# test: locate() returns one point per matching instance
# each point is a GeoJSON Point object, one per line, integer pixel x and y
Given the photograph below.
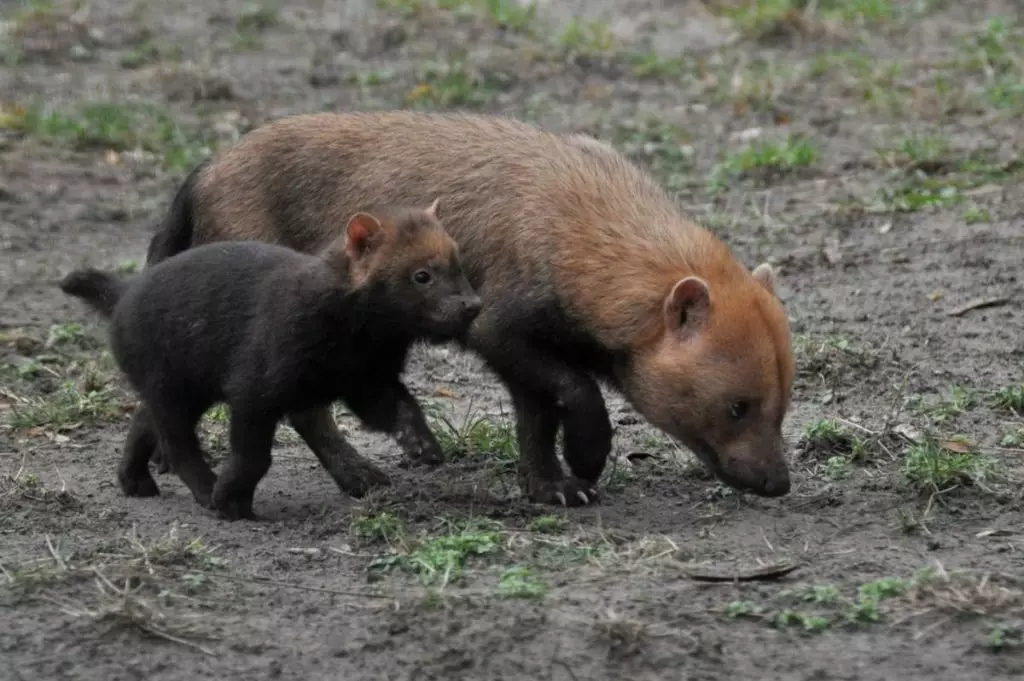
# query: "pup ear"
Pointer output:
{"type": "Point", "coordinates": [765, 276]}
{"type": "Point", "coordinates": [361, 233]}
{"type": "Point", "coordinates": [687, 306]}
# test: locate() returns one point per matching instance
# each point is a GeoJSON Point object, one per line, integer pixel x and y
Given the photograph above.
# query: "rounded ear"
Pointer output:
{"type": "Point", "coordinates": [360, 233]}
{"type": "Point", "coordinates": [687, 306]}
{"type": "Point", "coordinates": [432, 209]}
{"type": "Point", "coordinates": [765, 276]}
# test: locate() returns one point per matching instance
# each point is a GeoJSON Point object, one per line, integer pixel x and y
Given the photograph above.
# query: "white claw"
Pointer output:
{"type": "Point", "coordinates": [582, 497]}
{"type": "Point", "coordinates": [561, 498]}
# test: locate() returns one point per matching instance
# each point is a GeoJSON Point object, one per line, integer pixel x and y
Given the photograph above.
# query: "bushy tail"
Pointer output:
{"type": "Point", "coordinates": [175, 234]}
{"type": "Point", "coordinates": [100, 290]}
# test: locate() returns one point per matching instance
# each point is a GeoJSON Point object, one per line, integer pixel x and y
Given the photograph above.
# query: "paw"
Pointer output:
{"type": "Point", "coordinates": [426, 455]}
{"type": "Point", "coordinates": [360, 477]}
{"type": "Point", "coordinates": [138, 485]}
{"type": "Point", "coordinates": [567, 492]}
{"type": "Point", "coordinates": [233, 507]}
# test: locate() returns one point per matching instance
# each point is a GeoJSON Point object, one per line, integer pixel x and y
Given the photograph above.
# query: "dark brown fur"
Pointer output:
{"type": "Point", "coordinates": [585, 267]}
{"type": "Point", "coordinates": [275, 333]}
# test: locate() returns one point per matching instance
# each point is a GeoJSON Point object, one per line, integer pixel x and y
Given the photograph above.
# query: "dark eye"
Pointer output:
{"type": "Point", "coordinates": [737, 410]}
{"type": "Point", "coordinates": [422, 277]}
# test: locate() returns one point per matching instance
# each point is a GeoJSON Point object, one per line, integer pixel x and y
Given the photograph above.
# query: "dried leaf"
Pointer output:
{"type": "Point", "coordinates": [707, 573]}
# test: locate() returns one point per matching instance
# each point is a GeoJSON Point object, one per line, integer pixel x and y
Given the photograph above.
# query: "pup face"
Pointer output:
{"type": "Point", "coordinates": [720, 379]}
{"type": "Point", "coordinates": [407, 258]}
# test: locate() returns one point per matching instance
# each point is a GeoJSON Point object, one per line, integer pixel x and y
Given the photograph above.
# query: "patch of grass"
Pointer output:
{"type": "Point", "coordinates": [920, 192]}
{"type": "Point", "coordinates": [454, 84]}
{"type": "Point", "coordinates": [763, 18]}
{"type": "Point", "coordinates": [118, 126]}
{"type": "Point", "coordinates": [932, 467]}
{"type": "Point", "coordinates": [441, 560]}
{"type": "Point", "coordinates": [649, 64]}
{"type": "Point", "coordinates": [665, 149]}
{"type": "Point", "coordinates": [957, 401]}
{"type": "Point", "coordinates": [520, 582]}
{"type": "Point", "coordinates": [1010, 398]}
{"type": "Point", "coordinates": [510, 15]}
{"type": "Point", "coordinates": [974, 214]}
{"type": "Point", "coordinates": [477, 438]}
{"type": "Point", "coordinates": [587, 38]}
{"type": "Point", "coordinates": [918, 150]}
{"type": "Point", "coordinates": [815, 608]}
{"type": "Point", "coordinates": [829, 359]}
{"type": "Point", "coordinates": [1002, 637]}
{"type": "Point", "coordinates": [829, 438]}
{"type": "Point", "coordinates": [254, 19]}
{"type": "Point", "coordinates": [379, 527]}
{"type": "Point", "coordinates": [71, 334]}
{"type": "Point", "coordinates": [371, 78]}
{"type": "Point", "coordinates": [68, 407]}
{"type": "Point", "coordinates": [547, 524]}
{"type": "Point", "coordinates": [1014, 438]}
{"type": "Point", "coordinates": [765, 159]}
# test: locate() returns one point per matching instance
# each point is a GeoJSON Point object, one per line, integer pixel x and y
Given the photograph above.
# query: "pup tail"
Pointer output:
{"type": "Point", "coordinates": [100, 290]}
{"type": "Point", "coordinates": [175, 233]}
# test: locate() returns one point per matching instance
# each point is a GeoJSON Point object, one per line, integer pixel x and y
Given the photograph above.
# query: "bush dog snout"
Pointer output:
{"type": "Point", "coordinates": [274, 334]}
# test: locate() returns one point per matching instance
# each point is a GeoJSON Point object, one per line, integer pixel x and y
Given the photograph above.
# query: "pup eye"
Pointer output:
{"type": "Point", "coordinates": [422, 277]}
{"type": "Point", "coordinates": [738, 410]}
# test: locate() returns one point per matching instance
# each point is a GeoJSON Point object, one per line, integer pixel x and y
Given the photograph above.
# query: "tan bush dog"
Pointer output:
{"type": "Point", "coordinates": [586, 270]}
{"type": "Point", "coordinates": [275, 334]}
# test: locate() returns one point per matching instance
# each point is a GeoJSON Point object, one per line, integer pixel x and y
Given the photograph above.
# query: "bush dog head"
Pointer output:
{"type": "Point", "coordinates": [718, 376]}
{"type": "Point", "coordinates": [406, 257]}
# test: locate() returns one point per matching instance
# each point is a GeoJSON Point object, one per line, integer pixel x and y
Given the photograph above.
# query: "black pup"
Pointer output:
{"type": "Point", "coordinates": [274, 333]}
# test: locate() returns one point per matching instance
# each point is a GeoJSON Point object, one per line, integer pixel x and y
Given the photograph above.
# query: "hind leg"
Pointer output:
{"type": "Point", "coordinates": [139, 445]}
{"type": "Point", "coordinates": [251, 437]}
{"type": "Point", "coordinates": [175, 427]}
{"type": "Point", "coordinates": [352, 472]}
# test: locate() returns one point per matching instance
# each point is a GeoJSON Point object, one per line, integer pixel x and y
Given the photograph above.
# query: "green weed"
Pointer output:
{"type": "Point", "coordinates": [933, 468]}
{"type": "Point", "coordinates": [520, 582]}
{"type": "Point", "coordinates": [441, 560]}
{"type": "Point", "coordinates": [120, 126]}
{"type": "Point", "coordinates": [1010, 398]}
{"type": "Point", "coordinates": [453, 84]}
{"type": "Point", "coordinates": [582, 38]}
{"type": "Point", "coordinates": [974, 214]}
{"type": "Point", "coordinates": [379, 527]}
{"type": "Point", "coordinates": [663, 148]}
{"type": "Point", "coordinates": [765, 159]}
{"type": "Point", "coordinates": [67, 408]}
{"type": "Point", "coordinates": [478, 438]}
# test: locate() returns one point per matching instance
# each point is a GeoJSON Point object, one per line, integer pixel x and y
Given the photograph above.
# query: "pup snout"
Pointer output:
{"type": "Point", "coordinates": [471, 306]}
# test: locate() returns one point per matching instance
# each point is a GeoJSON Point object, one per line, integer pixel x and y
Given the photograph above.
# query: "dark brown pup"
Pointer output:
{"type": "Point", "coordinates": [275, 334]}
{"type": "Point", "coordinates": [586, 269]}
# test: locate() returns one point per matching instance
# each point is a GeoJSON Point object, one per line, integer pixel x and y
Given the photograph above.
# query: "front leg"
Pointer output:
{"type": "Point", "coordinates": [352, 472]}
{"type": "Point", "coordinates": [544, 390]}
{"type": "Point", "coordinates": [389, 407]}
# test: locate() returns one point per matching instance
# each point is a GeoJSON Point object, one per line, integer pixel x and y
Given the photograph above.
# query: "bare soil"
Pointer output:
{"type": "Point", "coordinates": [907, 207]}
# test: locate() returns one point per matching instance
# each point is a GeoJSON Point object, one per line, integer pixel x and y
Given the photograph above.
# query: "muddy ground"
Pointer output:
{"type": "Point", "coordinates": [868, 148]}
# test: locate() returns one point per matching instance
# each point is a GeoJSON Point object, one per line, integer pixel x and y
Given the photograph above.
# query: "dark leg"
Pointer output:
{"type": "Point", "coordinates": [586, 430]}
{"type": "Point", "coordinates": [353, 473]}
{"type": "Point", "coordinates": [175, 427]}
{"type": "Point", "coordinates": [388, 407]}
{"type": "Point", "coordinates": [543, 389]}
{"type": "Point", "coordinates": [249, 460]}
{"type": "Point", "coordinates": [140, 443]}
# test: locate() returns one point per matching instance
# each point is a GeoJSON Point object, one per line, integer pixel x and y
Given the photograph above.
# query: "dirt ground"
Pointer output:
{"type": "Point", "coordinates": [868, 148]}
